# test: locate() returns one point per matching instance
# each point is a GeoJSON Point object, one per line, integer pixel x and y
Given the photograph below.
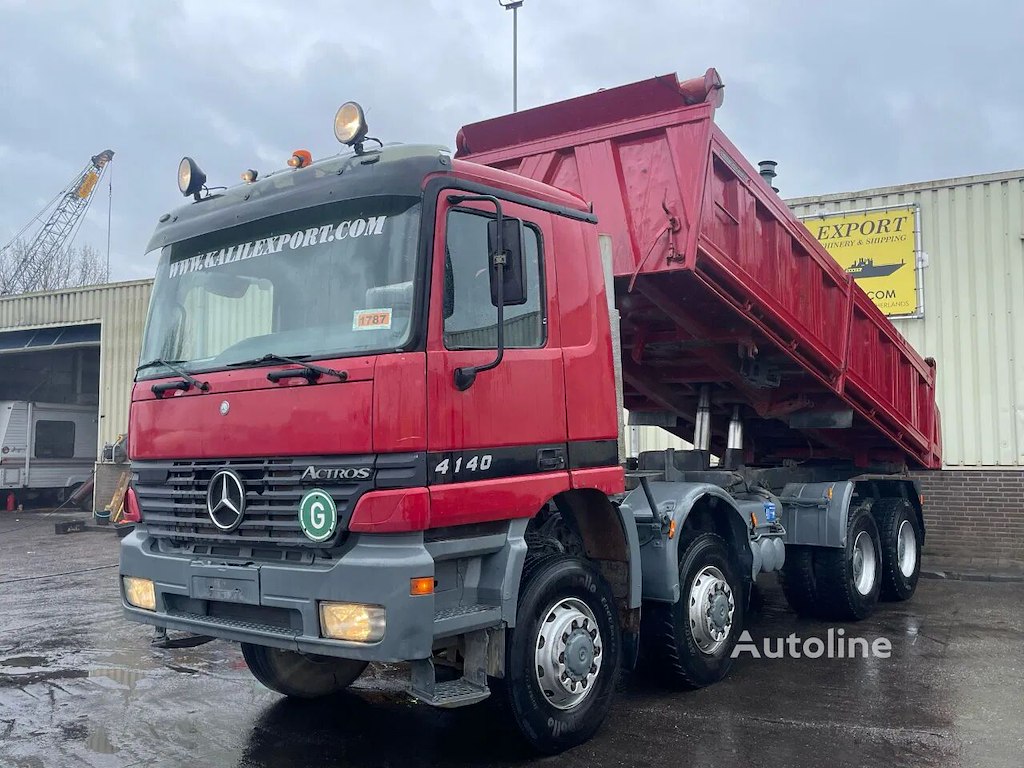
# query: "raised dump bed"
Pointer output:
{"type": "Point", "coordinates": [719, 284]}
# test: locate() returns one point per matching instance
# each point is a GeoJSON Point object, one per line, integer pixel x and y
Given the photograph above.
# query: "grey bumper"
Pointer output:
{"type": "Point", "coordinates": [276, 604]}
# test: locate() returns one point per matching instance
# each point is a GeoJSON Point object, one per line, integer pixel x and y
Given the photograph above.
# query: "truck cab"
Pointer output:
{"type": "Point", "coordinates": [322, 461]}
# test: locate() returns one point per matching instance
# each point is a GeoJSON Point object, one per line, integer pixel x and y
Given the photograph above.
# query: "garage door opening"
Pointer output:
{"type": "Point", "coordinates": [49, 414]}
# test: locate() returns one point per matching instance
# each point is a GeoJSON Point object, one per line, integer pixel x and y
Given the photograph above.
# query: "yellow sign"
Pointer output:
{"type": "Point", "coordinates": [878, 249]}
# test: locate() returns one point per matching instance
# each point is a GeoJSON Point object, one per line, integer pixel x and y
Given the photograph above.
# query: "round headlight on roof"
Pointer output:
{"type": "Point", "coordinates": [350, 123]}
{"type": "Point", "coordinates": [190, 177]}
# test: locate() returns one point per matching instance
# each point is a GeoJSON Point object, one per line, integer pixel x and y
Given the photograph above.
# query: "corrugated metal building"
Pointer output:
{"type": "Point", "coordinates": [81, 345]}
{"type": "Point", "coordinates": [973, 324]}
{"type": "Point", "coordinates": [120, 311]}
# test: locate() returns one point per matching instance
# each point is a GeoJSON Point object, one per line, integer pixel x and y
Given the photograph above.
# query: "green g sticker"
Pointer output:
{"type": "Point", "coordinates": [318, 515]}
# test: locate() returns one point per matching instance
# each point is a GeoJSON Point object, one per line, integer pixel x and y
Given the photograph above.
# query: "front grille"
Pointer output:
{"type": "Point", "coordinates": [172, 495]}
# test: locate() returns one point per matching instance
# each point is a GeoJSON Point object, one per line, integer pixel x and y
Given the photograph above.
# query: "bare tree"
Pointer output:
{"type": "Point", "coordinates": [68, 268]}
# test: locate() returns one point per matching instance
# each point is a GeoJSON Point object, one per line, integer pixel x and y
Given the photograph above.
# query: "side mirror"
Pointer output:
{"type": "Point", "coordinates": [514, 286]}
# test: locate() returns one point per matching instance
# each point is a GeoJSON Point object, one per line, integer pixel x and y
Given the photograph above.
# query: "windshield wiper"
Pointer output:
{"type": "Point", "coordinates": [309, 371]}
{"type": "Point", "coordinates": [188, 381]}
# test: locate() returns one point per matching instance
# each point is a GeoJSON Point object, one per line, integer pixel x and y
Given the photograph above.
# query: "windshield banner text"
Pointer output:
{"type": "Point", "coordinates": [328, 233]}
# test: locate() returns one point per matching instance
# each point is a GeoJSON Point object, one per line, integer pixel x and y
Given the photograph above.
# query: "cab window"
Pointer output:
{"type": "Point", "coordinates": [470, 320]}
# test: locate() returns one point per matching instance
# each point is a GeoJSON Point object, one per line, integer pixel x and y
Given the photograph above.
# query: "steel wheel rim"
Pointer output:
{"type": "Point", "coordinates": [568, 653]}
{"type": "Point", "coordinates": [711, 609]}
{"type": "Point", "coordinates": [864, 562]}
{"type": "Point", "coordinates": [906, 548]}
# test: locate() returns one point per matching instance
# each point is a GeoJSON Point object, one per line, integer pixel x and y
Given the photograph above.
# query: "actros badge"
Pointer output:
{"type": "Point", "coordinates": [318, 516]}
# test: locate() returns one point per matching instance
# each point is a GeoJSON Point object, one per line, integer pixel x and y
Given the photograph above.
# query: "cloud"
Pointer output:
{"type": "Point", "coordinates": [844, 96]}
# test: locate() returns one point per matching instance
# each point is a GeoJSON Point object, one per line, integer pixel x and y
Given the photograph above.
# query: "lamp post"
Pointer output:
{"type": "Point", "coordinates": [514, 5]}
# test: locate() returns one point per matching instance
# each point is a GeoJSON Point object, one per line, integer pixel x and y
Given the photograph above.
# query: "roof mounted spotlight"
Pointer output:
{"type": "Point", "coordinates": [190, 178]}
{"type": "Point", "coordinates": [350, 125]}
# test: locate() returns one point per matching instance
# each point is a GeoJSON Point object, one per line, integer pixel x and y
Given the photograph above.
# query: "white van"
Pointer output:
{"type": "Point", "coordinates": [45, 448]}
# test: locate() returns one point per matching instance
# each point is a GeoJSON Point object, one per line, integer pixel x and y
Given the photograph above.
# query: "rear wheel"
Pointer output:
{"type": "Point", "coordinates": [900, 534]}
{"type": "Point", "coordinates": [797, 580]}
{"type": "Point", "coordinates": [562, 658]}
{"type": "Point", "coordinates": [848, 579]}
{"type": "Point", "coordinates": [693, 639]}
{"type": "Point", "coordinates": [300, 675]}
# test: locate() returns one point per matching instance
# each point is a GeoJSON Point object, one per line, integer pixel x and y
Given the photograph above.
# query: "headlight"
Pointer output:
{"type": "Point", "coordinates": [140, 592]}
{"type": "Point", "coordinates": [350, 124]}
{"type": "Point", "coordinates": [354, 622]}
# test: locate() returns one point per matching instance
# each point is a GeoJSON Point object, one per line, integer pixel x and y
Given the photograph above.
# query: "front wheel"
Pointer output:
{"type": "Point", "coordinates": [300, 675]}
{"type": "Point", "coordinates": [562, 658]}
{"type": "Point", "coordinates": [693, 639]}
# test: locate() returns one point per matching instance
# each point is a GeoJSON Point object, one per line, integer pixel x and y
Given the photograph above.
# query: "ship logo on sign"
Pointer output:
{"type": "Point", "coordinates": [868, 268]}
{"type": "Point", "coordinates": [318, 516]}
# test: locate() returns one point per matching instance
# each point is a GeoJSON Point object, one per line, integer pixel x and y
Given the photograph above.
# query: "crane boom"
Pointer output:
{"type": "Point", "coordinates": [60, 227]}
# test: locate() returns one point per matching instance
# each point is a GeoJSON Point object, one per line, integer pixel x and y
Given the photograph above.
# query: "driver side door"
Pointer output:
{"type": "Point", "coordinates": [498, 448]}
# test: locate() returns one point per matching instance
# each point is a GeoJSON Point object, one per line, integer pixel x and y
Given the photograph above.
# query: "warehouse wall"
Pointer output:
{"type": "Point", "coordinates": [121, 309]}
{"type": "Point", "coordinates": [973, 325]}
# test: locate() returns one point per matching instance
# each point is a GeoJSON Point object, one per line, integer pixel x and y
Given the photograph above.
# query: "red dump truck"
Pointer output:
{"type": "Point", "coordinates": [378, 412]}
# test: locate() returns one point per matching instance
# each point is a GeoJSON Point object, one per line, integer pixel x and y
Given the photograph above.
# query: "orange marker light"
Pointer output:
{"type": "Point", "coordinates": [300, 158]}
{"type": "Point", "coordinates": [421, 586]}
{"type": "Point", "coordinates": [672, 529]}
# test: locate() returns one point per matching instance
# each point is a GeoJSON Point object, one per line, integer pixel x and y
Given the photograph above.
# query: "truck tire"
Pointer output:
{"type": "Point", "coordinates": [300, 675]}
{"type": "Point", "coordinates": [900, 534]}
{"type": "Point", "coordinates": [693, 639]}
{"type": "Point", "coordinates": [562, 657]}
{"type": "Point", "coordinates": [797, 580]}
{"type": "Point", "coordinates": [848, 579]}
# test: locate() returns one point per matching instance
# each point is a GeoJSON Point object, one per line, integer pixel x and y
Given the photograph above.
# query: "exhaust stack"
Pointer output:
{"type": "Point", "coordinates": [767, 170]}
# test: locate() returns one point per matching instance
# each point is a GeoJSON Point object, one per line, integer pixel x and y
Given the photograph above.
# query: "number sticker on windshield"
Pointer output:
{"type": "Point", "coordinates": [371, 319]}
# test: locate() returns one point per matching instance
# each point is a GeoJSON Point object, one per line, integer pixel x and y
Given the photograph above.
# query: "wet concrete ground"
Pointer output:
{"type": "Point", "coordinates": [80, 686]}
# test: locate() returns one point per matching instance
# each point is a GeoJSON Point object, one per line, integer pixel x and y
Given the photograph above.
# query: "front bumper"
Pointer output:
{"type": "Point", "coordinates": [276, 604]}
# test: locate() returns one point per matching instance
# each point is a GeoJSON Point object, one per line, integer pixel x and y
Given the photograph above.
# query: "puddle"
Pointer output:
{"type": "Point", "coordinates": [125, 677]}
{"type": "Point", "coordinates": [99, 741]}
{"type": "Point", "coordinates": [95, 737]}
{"type": "Point", "coordinates": [26, 662]}
{"type": "Point", "coordinates": [22, 679]}
{"type": "Point", "coordinates": [19, 671]}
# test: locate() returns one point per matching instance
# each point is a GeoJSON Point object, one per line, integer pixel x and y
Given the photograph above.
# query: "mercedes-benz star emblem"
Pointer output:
{"type": "Point", "coordinates": [225, 499]}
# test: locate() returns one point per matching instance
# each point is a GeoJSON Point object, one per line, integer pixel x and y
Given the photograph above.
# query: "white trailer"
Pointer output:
{"type": "Point", "coordinates": [46, 448]}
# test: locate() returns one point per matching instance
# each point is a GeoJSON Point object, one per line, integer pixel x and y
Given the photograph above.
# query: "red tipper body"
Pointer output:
{"type": "Point", "coordinates": [716, 280]}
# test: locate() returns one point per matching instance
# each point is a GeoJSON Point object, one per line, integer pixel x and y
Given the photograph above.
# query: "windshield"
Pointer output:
{"type": "Point", "coordinates": [335, 280]}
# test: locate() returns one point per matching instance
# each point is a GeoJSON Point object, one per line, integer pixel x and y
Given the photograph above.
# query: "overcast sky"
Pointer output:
{"type": "Point", "coordinates": [844, 95]}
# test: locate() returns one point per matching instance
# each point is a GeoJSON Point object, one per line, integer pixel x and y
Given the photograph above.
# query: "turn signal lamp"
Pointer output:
{"type": "Point", "coordinates": [350, 124]}
{"type": "Point", "coordinates": [354, 622]}
{"type": "Point", "coordinates": [140, 592]}
{"type": "Point", "coordinates": [422, 586]}
{"type": "Point", "coordinates": [300, 158]}
{"type": "Point", "coordinates": [190, 177]}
